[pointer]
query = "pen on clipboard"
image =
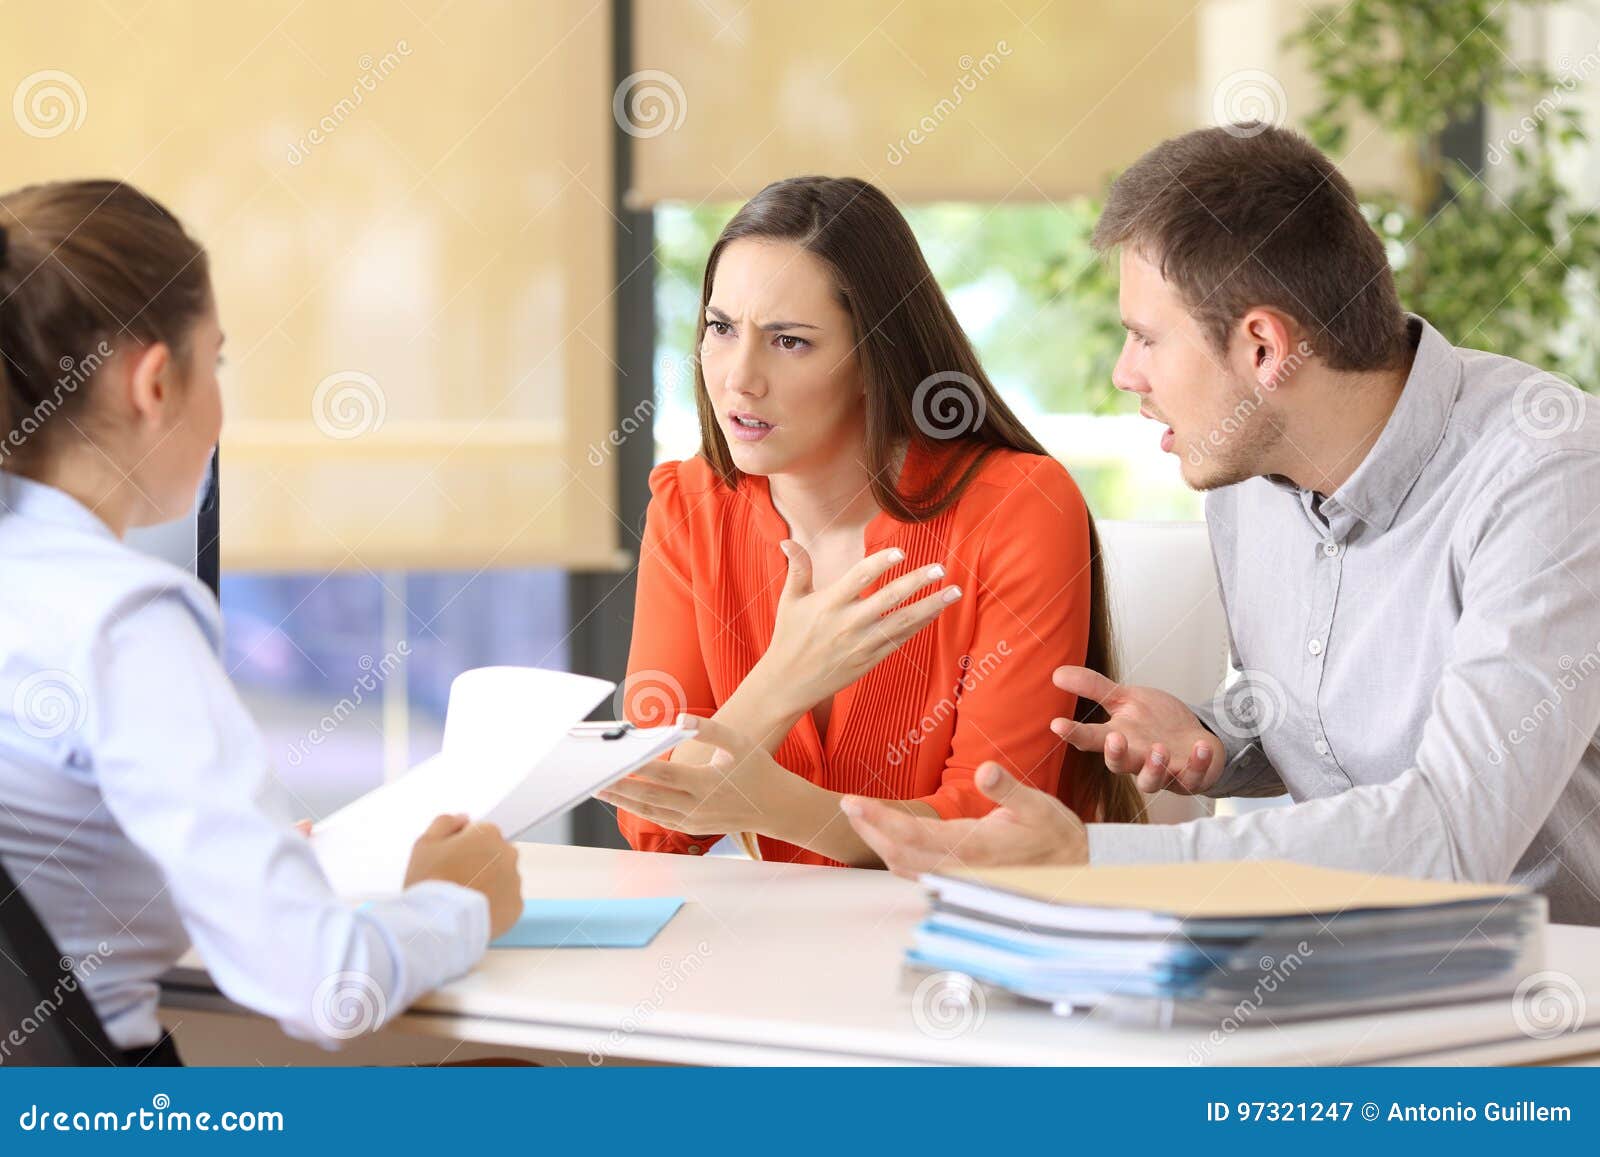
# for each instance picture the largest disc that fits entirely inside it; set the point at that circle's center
(600, 730)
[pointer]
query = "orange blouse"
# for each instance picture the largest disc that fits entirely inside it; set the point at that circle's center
(973, 686)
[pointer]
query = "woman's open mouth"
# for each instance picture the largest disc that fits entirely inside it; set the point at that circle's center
(748, 427)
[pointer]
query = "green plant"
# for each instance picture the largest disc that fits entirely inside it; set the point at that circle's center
(1502, 260)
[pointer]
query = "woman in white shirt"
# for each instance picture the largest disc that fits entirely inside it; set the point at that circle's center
(140, 812)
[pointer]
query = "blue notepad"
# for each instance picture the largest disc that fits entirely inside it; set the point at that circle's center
(590, 923)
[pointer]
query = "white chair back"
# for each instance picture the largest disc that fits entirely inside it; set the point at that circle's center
(1167, 620)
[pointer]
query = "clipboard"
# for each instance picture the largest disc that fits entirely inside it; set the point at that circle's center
(516, 753)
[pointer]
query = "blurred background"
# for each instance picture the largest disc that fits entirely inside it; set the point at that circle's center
(458, 245)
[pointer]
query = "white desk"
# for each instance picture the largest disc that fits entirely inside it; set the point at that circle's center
(781, 964)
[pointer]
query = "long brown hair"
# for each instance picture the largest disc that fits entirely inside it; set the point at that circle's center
(85, 266)
(925, 385)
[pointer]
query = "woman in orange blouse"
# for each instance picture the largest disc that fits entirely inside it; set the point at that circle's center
(870, 570)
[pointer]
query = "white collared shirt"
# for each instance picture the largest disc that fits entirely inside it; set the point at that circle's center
(139, 812)
(1419, 648)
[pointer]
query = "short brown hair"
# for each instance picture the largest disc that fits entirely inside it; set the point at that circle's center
(85, 267)
(1250, 215)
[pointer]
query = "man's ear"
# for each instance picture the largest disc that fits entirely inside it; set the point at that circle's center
(150, 384)
(1269, 335)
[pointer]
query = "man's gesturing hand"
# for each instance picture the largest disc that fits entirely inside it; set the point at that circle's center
(1029, 827)
(1148, 734)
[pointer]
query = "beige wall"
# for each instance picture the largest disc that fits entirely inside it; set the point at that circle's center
(1026, 100)
(407, 202)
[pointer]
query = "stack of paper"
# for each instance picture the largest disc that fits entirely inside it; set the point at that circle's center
(1159, 942)
(514, 755)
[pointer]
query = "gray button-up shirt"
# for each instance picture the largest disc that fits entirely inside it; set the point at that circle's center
(1420, 649)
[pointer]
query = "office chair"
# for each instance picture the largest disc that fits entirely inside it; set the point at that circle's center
(45, 1018)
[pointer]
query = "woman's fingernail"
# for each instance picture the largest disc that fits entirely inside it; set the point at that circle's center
(897, 555)
(952, 594)
(1158, 758)
(936, 571)
(849, 806)
(687, 722)
(1202, 752)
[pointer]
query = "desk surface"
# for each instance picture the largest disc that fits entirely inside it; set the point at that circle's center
(784, 964)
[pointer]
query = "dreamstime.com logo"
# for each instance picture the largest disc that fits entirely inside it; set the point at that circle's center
(348, 1004)
(160, 1117)
(1248, 405)
(74, 373)
(1547, 1004)
(973, 73)
(948, 404)
(971, 675)
(947, 1005)
(374, 673)
(1573, 673)
(73, 975)
(649, 103)
(1547, 405)
(673, 975)
(49, 103)
(1250, 706)
(650, 699)
(373, 73)
(49, 704)
(349, 404)
(1245, 103)
(1273, 973)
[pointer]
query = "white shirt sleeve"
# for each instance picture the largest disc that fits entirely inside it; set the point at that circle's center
(184, 771)
(1512, 715)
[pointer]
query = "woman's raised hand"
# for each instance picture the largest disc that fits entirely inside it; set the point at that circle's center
(825, 640)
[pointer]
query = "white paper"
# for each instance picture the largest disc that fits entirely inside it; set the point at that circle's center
(507, 758)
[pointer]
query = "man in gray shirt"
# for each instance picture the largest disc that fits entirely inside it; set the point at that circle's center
(1407, 537)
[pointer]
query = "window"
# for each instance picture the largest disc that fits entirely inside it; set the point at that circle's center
(348, 675)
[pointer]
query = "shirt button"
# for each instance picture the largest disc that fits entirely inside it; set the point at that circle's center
(1330, 548)
(1322, 746)
(1315, 646)
(694, 849)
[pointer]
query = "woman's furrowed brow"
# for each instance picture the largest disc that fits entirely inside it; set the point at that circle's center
(767, 327)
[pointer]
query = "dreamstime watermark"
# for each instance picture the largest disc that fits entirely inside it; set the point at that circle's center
(948, 404)
(374, 673)
(971, 675)
(1527, 129)
(48, 103)
(48, 704)
(1547, 405)
(671, 375)
(972, 73)
(1274, 972)
(1245, 408)
(672, 974)
(74, 973)
(74, 373)
(947, 1005)
(650, 699)
(348, 1004)
(648, 103)
(1547, 1004)
(1573, 673)
(349, 404)
(160, 1117)
(373, 73)
(1248, 102)
(1251, 705)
